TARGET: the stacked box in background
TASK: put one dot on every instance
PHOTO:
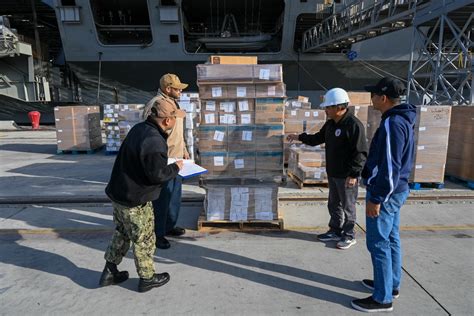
(460, 162)
(373, 122)
(300, 118)
(241, 128)
(118, 121)
(241, 200)
(308, 164)
(191, 103)
(431, 143)
(241, 138)
(78, 127)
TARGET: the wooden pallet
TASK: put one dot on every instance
(308, 182)
(79, 152)
(425, 185)
(465, 182)
(241, 225)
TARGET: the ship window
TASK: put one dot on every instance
(68, 2)
(122, 22)
(245, 26)
(168, 2)
(174, 38)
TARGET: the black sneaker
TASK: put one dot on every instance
(111, 276)
(329, 236)
(177, 231)
(157, 280)
(370, 285)
(368, 305)
(162, 243)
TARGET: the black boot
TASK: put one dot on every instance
(157, 280)
(111, 275)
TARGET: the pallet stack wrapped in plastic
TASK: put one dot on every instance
(460, 163)
(78, 128)
(118, 121)
(191, 103)
(241, 139)
(431, 143)
(307, 165)
(300, 118)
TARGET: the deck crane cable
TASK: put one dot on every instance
(259, 12)
(251, 23)
(371, 67)
(212, 22)
(306, 71)
(217, 16)
(245, 16)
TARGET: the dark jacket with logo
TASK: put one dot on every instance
(141, 166)
(391, 154)
(346, 146)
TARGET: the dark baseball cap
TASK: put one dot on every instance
(391, 87)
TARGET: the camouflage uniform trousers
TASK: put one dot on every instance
(134, 224)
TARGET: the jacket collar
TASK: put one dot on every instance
(152, 123)
(161, 93)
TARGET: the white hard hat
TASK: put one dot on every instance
(335, 96)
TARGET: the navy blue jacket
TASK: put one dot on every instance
(391, 152)
(141, 166)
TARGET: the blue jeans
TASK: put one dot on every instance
(383, 243)
(166, 207)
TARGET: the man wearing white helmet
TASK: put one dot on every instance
(346, 153)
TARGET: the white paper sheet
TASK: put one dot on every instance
(190, 169)
(241, 92)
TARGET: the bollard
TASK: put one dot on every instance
(34, 117)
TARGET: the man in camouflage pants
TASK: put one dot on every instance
(139, 171)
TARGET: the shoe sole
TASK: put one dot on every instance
(371, 288)
(329, 239)
(347, 246)
(378, 310)
(148, 288)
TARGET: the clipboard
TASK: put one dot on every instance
(190, 169)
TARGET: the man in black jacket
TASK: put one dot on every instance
(140, 169)
(346, 152)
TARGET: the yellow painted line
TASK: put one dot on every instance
(46, 231)
(50, 231)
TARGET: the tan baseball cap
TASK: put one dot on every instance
(171, 80)
(167, 108)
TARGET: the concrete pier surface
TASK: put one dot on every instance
(55, 224)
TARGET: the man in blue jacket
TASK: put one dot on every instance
(386, 175)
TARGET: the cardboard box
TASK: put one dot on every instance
(241, 164)
(359, 98)
(224, 74)
(209, 118)
(78, 127)
(214, 91)
(269, 164)
(241, 138)
(269, 137)
(233, 60)
(460, 154)
(241, 91)
(275, 90)
(213, 138)
(269, 111)
(265, 73)
(216, 163)
(310, 115)
(234, 200)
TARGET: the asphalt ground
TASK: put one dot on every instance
(55, 224)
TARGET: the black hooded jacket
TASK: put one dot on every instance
(141, 166)
(345, 143)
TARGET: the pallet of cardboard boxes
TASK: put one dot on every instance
(460, 162)
(78, 129)
(241, 138)
(118, 121)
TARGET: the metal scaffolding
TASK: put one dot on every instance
(360, 20)
(441, 72)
